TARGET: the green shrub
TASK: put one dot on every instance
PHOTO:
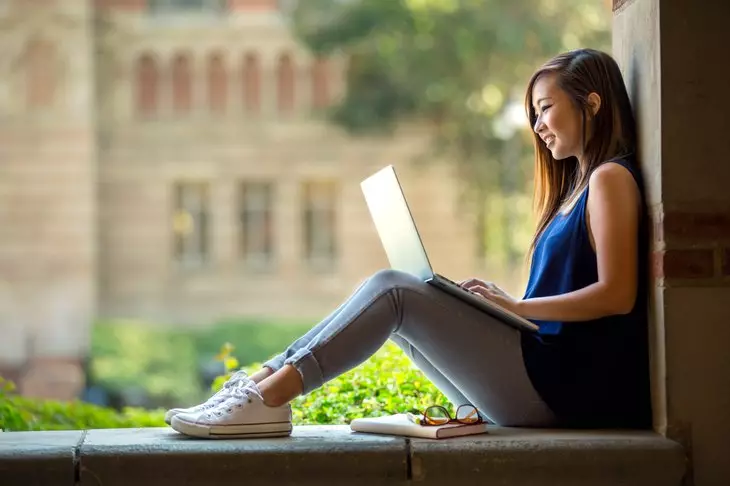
(385, 384)
(163, 364)
(20, 413)
(255, 340)
(134, 356)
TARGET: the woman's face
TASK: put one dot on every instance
(559, 122)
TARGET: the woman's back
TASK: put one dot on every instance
(592, 373)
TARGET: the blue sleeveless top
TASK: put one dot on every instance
(592, 373)
(563, 260)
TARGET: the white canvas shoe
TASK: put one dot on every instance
(239, 377)
(243, 415)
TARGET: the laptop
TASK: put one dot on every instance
(404, 248)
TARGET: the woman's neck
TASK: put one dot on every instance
(582, 166)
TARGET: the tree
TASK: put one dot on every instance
(457, 66)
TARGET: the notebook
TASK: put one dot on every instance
(399, 424)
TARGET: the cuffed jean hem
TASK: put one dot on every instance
(275, 363)
(309, 369)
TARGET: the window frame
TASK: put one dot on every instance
(180, 254)
(263, 261)
(325, 261)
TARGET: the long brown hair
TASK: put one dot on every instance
(612, 130)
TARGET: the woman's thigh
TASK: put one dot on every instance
(479, 355)
(435, 376)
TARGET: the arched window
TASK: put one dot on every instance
(285, 84)
(320, 84)
(41, 70)
(217, 83)
(251, 83)
(182, 84)
(148, 85)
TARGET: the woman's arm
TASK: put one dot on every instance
(613, 223)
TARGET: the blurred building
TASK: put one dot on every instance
(168, 160)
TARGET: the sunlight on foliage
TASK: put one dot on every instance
(385, 384)
(442, 5)
(20, 414)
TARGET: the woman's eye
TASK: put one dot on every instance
(546, 108)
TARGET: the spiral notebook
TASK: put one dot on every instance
(399, 424)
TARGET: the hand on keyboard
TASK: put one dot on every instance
(491, 292)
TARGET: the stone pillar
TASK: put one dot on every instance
(674, 57)
(47, 200)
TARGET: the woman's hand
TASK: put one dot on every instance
(491, 292)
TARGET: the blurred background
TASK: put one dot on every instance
(178, 174)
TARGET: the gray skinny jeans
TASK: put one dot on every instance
(468, 355)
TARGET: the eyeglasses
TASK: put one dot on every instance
(438, 415)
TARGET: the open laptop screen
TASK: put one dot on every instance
(394, 223)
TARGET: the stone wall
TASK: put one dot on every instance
(47, 194)
(673, 54)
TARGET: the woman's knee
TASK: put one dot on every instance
(389, 278)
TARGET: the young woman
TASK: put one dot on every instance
(587, 290)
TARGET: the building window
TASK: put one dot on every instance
(184, 6)
(285, 84)
(217, 84)
(257, 224)
(147, 84)
(319, 224)
(182, 84)
(320, 84)
(41, 74)
(251, 84)
(190, 223)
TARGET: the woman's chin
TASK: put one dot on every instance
(558, 154)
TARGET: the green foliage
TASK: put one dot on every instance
(456, 63)
(385, 384)
(19, 413)
(164, 363)
(458, 68)
(131, 355)
(253, 339)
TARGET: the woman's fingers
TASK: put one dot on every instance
(474, 282)
(481, 290)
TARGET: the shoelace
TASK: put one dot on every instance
(240, 391)
(243, 391)
(237, 379)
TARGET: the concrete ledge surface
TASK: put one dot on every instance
(333, 455)
(38, 457)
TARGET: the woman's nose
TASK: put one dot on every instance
(538, 125)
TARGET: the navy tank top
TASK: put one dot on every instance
(591, 373)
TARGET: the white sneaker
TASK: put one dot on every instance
(220, 396)
(243, 415)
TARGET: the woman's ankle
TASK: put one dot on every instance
(281, 387)
(262, 374)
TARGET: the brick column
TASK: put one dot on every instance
(693, 246)
(669, 51)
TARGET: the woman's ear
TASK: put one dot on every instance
(594, 103)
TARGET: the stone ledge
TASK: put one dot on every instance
(317, 455)
(38, 457)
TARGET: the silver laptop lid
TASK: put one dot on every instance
(394, 223)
